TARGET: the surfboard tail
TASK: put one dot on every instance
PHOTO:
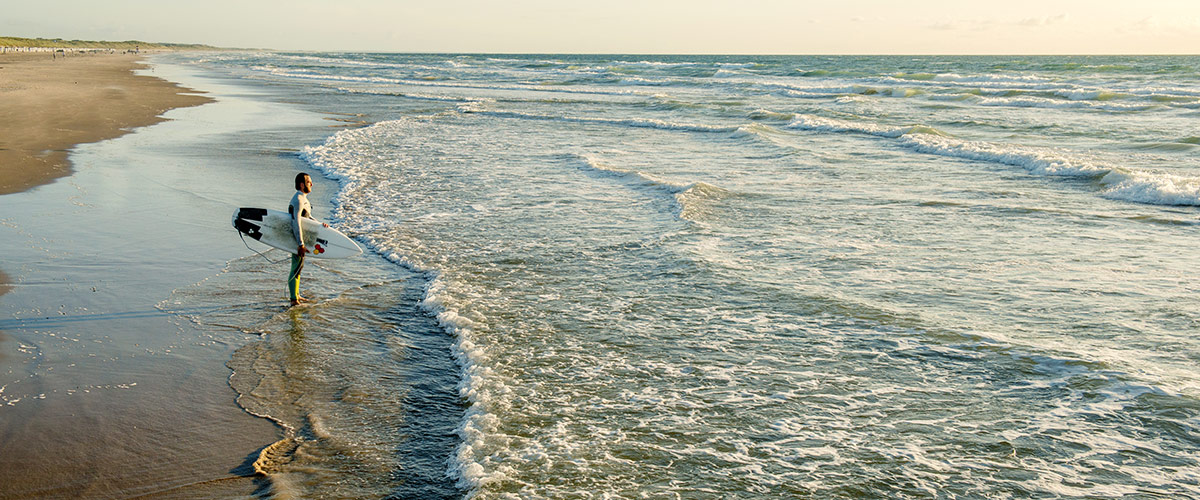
(251, 213)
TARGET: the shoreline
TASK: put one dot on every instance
(144, 347)
(103, 391)
(52, 104)
(49, 105)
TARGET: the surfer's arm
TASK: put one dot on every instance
(297, 231)
(323, 223)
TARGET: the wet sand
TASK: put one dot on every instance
(102, 394)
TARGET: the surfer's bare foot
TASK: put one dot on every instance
(300, 300)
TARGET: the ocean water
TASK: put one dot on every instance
(734, 277)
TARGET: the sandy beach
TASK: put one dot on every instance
(49, 103)
(102, 393)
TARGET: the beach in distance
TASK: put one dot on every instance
(602, 276)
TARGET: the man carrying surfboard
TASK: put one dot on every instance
(298, 208)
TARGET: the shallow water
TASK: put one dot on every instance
(737, 277)
(361, 381)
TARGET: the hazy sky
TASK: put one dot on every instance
(631, 26)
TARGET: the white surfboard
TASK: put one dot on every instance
(274, 228)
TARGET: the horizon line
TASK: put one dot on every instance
(821, 54)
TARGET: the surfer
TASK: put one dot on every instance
(298, 208)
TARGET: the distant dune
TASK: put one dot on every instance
(9, 41)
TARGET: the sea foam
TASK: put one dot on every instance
(691, 198)
(341, 158)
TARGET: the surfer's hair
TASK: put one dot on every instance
(300, 180)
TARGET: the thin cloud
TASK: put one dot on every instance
(1035, 22)
(964, 25)
(1156, 25)
(987, 24)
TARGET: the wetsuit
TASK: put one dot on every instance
(299, 207)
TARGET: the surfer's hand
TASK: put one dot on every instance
(325, 224)
(301, 250)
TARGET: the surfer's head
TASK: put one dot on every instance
(303, 183)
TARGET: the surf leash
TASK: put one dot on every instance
(243, 237)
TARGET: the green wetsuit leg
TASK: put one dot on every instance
(294, 277)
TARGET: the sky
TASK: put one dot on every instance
(630, 26)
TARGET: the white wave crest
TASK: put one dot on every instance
(1038, 102)
(821, 124)
(766, 114)
(689, 197)
(312, 75)
(1138, 186)
(630, 122)
(1151, 188)
(1042, 161)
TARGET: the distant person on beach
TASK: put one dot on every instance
(298, 208)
